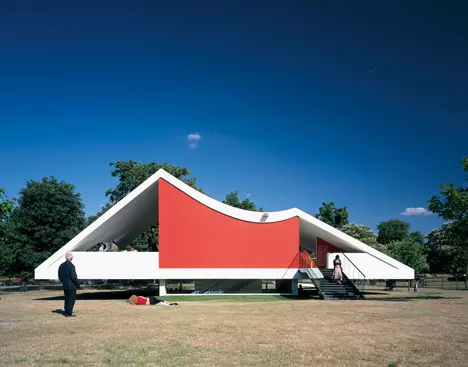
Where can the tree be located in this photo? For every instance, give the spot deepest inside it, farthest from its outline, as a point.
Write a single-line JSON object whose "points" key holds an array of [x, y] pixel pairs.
{"points": [[232, 199], [411, 253], [417, 236], [452, 205], [364, 234], [49, 213], [6, 207], [336, 217], [441, 254], [130, 175], [392, 230]]}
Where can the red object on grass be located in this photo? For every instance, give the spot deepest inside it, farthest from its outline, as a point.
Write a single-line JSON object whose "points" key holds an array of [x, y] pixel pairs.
{"points": [[141, 300]]}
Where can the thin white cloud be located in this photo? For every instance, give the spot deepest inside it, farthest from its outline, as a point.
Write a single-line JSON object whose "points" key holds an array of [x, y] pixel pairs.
{"points": [[193, 140], [416, 211], [193, 137], [248, 196]]}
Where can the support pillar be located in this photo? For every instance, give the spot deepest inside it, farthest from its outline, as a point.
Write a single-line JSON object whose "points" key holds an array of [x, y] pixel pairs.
{"points": [[294, 286], [162, 287]]}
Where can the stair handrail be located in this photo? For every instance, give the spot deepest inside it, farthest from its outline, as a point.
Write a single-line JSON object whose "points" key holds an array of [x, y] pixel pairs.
{"points": [[359, 270], [307, 262], [289, 266], [355, 282], [298, 254]]}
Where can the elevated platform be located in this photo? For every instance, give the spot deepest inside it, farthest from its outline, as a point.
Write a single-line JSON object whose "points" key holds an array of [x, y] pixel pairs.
{"points": [[145, 265]]}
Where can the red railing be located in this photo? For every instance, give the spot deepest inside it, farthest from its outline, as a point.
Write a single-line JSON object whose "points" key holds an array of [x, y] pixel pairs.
{"points": [[306, 261]]}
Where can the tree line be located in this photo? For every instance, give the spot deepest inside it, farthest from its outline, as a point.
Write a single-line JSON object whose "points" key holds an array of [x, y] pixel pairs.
{"points": [[443, 250], [48, 213]]}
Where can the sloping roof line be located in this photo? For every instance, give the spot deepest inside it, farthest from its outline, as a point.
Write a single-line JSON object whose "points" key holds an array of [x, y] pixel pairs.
{"points": [[225, 209]]}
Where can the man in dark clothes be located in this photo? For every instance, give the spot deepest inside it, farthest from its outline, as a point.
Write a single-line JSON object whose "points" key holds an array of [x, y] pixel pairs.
{"points": [[67, 276]]}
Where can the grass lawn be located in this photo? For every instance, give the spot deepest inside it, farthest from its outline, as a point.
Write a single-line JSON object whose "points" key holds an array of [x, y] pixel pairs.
{"points": [[426, 330]]}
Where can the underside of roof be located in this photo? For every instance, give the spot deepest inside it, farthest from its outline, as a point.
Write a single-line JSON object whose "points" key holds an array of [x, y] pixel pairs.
{"points": [[135, 213]]}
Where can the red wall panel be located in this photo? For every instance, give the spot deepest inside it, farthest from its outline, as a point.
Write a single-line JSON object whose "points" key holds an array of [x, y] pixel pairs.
{"points": [[323, 249], [192, 235]]}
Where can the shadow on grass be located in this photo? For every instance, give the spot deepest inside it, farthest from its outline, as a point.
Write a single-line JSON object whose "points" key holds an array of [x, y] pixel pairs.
{"points": [[125, 294], [409, 298], [375, 293], [101, 296]]}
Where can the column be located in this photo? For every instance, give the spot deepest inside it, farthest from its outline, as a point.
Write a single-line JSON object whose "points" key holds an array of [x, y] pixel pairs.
{"points": [[162, 287], [295, 289]]}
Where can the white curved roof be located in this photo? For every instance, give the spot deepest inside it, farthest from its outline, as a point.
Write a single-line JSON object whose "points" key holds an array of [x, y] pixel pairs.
{"points": [[135, 213]]}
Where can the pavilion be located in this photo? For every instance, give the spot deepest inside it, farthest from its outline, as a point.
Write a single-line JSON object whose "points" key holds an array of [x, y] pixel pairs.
{"points": [[220, 248]]}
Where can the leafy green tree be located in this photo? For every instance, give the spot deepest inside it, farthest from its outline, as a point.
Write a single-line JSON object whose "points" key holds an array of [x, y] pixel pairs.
{"points": [[452, 205], [410, 252], [417, 236], [441, 254], [392, 230], [232, 199], [336, 217], [130, 175], [6, 207], [364, 234], [49, 213]]}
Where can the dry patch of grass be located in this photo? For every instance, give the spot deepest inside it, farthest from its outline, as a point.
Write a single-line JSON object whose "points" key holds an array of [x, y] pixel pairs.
{"points": [[427, 330]]}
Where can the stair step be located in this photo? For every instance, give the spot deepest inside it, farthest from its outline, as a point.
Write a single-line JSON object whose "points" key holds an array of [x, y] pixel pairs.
{"points": [[337, 286], [336, 291], [329, 290]]}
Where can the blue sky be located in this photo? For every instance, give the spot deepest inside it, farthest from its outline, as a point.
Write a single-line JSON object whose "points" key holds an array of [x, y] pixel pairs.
{"points": [[295, 102]]}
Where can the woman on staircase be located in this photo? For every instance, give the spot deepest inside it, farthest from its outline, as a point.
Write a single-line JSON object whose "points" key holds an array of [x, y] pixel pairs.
{"points": [[337, 270]]}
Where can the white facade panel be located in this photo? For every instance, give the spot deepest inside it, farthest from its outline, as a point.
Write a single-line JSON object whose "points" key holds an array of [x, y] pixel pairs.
{"points": [[370, 266], [107, 265], [145, 265]]}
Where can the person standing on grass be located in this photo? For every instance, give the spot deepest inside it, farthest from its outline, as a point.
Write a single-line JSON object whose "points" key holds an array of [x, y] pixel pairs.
{"points": [[67, 275]]}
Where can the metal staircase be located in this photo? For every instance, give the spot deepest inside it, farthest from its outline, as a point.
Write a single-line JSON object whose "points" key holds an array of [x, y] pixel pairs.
{"points": [[328, 289], [352, 287]]}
